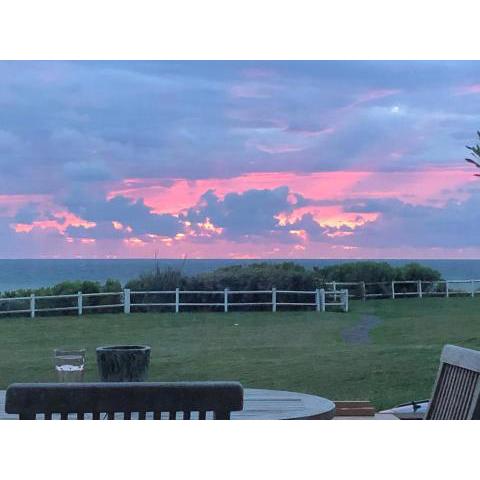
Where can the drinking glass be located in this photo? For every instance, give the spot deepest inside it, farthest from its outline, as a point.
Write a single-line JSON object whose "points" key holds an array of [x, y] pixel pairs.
{"points": [[69, 364]]}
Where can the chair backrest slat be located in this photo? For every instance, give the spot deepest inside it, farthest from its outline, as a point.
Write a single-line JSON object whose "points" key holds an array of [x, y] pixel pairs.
{"points": [[105, 399], [456, 399], [465, 392], [456, 393], [222, 415], [27, 416]]}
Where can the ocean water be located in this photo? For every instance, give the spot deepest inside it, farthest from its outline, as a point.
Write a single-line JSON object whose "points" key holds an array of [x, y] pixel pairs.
{"points": [[32, 273]]}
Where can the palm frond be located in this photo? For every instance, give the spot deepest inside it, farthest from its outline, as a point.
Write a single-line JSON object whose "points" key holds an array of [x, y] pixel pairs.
{"points": [[469, 160]]}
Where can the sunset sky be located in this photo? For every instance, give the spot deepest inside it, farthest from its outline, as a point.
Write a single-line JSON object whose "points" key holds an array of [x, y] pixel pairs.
{"points": [[222, 159]]}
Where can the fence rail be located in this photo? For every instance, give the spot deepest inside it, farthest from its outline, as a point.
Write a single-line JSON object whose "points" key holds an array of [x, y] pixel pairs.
{"points": [[405, 288], [321, 299]]}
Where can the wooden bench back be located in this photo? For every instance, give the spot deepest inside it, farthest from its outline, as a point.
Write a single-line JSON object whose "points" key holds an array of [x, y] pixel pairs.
{"points": [[104, 400], [456, 393]]}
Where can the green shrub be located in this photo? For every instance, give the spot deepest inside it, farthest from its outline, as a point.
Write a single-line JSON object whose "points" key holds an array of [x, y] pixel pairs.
{"points": [[366, 271], [416, 271]]}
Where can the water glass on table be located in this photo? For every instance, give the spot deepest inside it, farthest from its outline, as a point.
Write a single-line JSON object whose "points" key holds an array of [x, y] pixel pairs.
{"points": [[69, 364]]}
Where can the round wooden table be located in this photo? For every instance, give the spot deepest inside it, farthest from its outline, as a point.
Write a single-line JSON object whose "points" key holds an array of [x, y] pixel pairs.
{"points": [[280, 405]]}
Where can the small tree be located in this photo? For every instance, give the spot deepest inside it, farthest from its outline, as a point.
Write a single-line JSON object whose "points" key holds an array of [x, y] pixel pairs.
{"points": [[476, 153]]}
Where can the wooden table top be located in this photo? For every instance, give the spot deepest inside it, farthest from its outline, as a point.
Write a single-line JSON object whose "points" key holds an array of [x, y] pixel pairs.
{"points": [[263, 405], [280, 405]]}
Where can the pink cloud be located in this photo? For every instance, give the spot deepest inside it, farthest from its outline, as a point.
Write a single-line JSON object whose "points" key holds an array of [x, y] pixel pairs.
{"points": [[468, 89], [251, 90], [371, 96], [272, 149], [418, 187], [136, 247], [10, 204], [425, 187], [328, 216], [134, 242], [311, 133], [258, 72], [61, 221], [376, 94], [181, 194]]}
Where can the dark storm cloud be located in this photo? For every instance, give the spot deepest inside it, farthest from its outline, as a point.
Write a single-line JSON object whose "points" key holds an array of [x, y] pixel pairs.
{"points": [[87, 171], [134, 214], [454, 225], [255, 214], [242, 215], [315, 231]]}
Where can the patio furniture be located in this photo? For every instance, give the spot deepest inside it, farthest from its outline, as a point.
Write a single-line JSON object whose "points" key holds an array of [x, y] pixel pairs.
{"points": [[258, 404], [107, 399], [414, 410], [456, 393], [354, 408], [261, 404]]}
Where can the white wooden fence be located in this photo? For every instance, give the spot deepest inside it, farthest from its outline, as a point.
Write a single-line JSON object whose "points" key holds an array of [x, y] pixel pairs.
{"points": [[335, 294], [421, 288], [128, 300]]}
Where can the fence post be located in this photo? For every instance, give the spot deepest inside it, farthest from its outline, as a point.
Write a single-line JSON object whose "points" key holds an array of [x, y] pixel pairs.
{"points": [[473, 288], [317, 299], [32, 305], [364, 291], [177, 300], [419, 288], [80, 303], [274, 299], [446, 289], [126, 300], [345, 300], [393, 289], [334, 291], [322, 299], [225, 300]]}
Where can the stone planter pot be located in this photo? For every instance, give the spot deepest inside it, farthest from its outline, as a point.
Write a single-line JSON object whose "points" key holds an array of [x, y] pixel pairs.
{"points": [[123, 363]]}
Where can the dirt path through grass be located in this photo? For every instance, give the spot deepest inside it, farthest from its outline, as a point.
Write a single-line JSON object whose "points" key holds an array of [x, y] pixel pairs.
{"points": [[360, 333]]}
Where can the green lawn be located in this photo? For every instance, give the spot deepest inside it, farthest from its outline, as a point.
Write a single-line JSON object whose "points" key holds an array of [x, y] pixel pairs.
{"points": [[301, 351]]}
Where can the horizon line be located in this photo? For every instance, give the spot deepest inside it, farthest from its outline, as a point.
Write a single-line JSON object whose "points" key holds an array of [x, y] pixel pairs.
{"points": [[237, 258]]}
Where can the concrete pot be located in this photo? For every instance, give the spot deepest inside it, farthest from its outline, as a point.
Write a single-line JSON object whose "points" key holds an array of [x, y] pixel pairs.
{"points": [[123, 363]]}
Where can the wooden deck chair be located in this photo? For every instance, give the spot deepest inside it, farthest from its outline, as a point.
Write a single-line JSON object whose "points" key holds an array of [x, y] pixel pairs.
{"points": [[176, 400], [456, 393]]}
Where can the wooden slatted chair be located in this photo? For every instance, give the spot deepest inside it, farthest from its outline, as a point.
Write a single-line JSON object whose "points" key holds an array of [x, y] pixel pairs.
{"points": [[456, 393], [104, 400]]}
